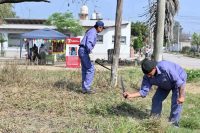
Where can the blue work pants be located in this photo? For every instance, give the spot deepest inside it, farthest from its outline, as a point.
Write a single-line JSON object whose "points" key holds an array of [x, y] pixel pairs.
{"points": [[159, 97], [88, 69]]}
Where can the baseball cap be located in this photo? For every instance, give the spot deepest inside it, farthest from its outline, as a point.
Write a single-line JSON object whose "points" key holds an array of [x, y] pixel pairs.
{"points": [[99, 24], [148, 65]]}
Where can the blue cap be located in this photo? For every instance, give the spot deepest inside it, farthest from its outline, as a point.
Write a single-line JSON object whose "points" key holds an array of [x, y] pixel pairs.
{"points": [[99, 24]]}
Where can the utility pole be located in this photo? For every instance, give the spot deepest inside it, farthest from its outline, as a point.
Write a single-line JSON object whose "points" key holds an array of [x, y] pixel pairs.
{"points": [[178, 38]]}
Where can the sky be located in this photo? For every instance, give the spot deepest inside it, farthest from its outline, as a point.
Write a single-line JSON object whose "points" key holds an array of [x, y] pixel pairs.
{"points": [[188, 15]]}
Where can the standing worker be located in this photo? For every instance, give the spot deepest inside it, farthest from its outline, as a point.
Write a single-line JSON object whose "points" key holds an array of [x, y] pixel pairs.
{"points": [[168, 77], [85, 54]]}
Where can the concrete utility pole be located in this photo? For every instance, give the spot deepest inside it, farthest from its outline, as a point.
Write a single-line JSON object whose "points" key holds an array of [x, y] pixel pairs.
{"points": [[178, 38], [158, 44], [115, 63]]}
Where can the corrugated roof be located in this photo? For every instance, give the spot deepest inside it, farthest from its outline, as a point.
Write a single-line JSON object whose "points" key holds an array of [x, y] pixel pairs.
{"points": [[24, 21], [25, 26]]}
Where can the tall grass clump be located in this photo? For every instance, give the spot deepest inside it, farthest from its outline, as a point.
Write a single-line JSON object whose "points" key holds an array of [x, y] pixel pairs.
{"points": [[10, 74]]}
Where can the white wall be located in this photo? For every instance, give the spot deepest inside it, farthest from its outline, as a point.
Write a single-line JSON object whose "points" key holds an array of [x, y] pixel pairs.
{"points": [[100, 50], [12, 52]]}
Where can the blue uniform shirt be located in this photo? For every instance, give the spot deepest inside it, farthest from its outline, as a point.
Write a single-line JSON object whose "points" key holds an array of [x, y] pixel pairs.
{"points": [[89, 40], [169, 75]]}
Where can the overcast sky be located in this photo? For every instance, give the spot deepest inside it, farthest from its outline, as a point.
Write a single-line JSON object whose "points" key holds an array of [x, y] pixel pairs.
{"points": [[188, 15]]}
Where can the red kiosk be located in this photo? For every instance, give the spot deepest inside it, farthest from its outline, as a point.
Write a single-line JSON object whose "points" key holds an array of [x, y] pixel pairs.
{"points": [[72, 59]]}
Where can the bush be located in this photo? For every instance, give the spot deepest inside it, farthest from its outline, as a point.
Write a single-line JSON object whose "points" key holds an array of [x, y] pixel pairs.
{"points": [[185, 50], [193, 75]]}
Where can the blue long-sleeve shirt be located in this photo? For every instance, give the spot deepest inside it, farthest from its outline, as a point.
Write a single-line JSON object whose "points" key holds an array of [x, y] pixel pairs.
{"points": [[89, 40], [169, 75]]}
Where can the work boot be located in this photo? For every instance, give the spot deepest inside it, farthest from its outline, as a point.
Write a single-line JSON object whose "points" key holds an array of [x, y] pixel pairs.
{"points": [[88, 92], [84, 91], [174, 124], [91, 92]]}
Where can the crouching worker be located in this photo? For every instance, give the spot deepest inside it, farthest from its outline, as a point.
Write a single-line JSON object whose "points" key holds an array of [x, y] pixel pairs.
{"points": [[167, 76]]}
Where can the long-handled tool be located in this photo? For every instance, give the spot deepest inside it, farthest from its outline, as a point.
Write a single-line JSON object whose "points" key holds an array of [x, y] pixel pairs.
{"points": [[122, 86], [122, 83], [102, 65]]}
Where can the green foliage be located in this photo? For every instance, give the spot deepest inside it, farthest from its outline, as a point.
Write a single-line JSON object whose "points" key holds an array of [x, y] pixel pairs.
{"points": [[195, 39], [185, 50], [6, 11], [138, 43], [193, 75], [139, 28], [65, 23], [2, 40]]}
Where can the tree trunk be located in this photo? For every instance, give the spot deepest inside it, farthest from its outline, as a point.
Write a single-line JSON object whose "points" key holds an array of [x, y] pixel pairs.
{"points": [[150, 41], [115, 63], [18, 1], [159, 37]]}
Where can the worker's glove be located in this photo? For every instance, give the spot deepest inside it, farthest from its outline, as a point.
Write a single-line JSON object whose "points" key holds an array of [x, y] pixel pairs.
{"points": [[91, 57]]}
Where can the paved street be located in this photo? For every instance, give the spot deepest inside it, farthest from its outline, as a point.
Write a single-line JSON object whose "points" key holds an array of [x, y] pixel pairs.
{"points": [[184, 61]]}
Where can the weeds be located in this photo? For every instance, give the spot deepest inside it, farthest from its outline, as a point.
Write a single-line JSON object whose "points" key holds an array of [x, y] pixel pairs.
{"points": [[51, 101]]}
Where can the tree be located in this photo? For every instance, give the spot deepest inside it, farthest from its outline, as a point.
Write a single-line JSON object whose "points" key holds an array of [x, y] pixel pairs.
{"points": [[166, 12], [196, 40], [18, 1], [115, 63], [139, 28], [6, 11], [138, 43], [65, 22]]}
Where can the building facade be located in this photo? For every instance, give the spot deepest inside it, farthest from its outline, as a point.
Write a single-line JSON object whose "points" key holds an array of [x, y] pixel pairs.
{"points": [[13, 28]]}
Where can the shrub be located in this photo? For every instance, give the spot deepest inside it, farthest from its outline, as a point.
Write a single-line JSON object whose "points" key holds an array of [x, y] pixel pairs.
{"points": [[193, 75]]}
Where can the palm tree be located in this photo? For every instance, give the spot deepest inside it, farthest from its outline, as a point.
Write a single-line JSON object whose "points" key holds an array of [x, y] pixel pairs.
{"points": [[170, 9]]}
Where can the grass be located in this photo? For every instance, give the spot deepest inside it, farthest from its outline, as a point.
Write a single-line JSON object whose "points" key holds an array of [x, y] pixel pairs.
{"points": [[51, 101]]}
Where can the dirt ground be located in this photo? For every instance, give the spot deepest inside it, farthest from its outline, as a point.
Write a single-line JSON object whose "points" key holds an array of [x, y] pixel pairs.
{"points": [[193, 88]]}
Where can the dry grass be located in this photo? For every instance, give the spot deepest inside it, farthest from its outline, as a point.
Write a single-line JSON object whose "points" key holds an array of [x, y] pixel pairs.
{"points": [[44, 101]]}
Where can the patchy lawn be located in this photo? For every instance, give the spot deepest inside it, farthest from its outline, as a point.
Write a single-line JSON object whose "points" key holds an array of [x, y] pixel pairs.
{"points": [[42, 100]]}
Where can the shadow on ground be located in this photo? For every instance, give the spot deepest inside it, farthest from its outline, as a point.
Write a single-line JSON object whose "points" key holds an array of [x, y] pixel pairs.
{"points": [[68, 85], [122, 109]]}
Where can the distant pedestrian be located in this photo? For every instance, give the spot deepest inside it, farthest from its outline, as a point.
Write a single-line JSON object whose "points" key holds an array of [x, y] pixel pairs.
{"points": [[35, 52], [42, 53]]}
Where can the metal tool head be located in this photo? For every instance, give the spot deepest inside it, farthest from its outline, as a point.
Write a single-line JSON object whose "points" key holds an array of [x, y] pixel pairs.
{"points": [[122, 86]]}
